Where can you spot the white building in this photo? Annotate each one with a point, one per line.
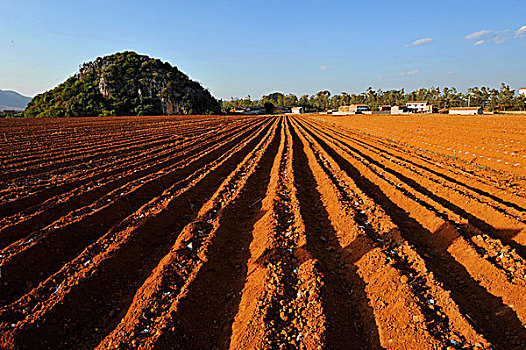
(466, 110)
(522, 91)
(355, 108)
(399, 110)
(297, 110)
(419, 107)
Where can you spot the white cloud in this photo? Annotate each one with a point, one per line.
(322, 67)
(422, 41)
(500, 39)
(411, 73)
(477, 35)
(450, 73)
(381, 77)
(521, 32)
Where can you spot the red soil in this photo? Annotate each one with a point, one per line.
(262, 232)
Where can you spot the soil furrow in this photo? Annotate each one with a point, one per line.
(341, 295)
(372, 243)
(151, 314)
(467, 225)
(263, 232)
(41, 215)
(114, 294)
(67, 240)
(217, 286)
(472, 298)
(57, 183)
(431, 167)
(58, 180)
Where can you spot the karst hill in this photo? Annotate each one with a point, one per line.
(124, 83)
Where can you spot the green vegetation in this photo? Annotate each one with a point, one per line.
(493, 99)
(130, 84)
(11, 115)
(124, 84)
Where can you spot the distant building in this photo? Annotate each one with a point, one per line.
(254, 110)
(399, 110)
(522, 91)
(281, 110)
(466, 110)
(356, 108)
(419, 107)
(297, 110)
(237, 110)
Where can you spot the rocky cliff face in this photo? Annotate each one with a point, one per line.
(128, 84)
(159, 81)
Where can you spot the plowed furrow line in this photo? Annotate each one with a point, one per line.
(482, 188)
(93, 152)
(227, 251)
(349, 321)
(92, 191)
(96, 159)
(467, 277)
(23, 210)
(290, 311)
(73, 272)
(280, 304)
(274, 235)
(500, 199)
(513, 206)
(109, 257)
(485, 177)
(107, 144)
(65, 163)
(79, 228)
(66, 143)
(486, 183)
(119, 169)
(44, 214)
(155, 304)
(407, 315)
(130, 137)
(483, 238)
(296, 316)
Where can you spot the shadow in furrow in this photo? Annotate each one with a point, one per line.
(497, 321)
(206, 314)
(19, 205)
(444, 176)
(94, 308)
(67, 242)
(346, 328)
(506, 235)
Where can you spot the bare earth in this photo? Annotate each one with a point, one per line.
(312, 232)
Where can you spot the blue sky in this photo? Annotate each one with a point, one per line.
(240, 48)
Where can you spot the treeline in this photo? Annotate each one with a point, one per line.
(503, 99)
(11, 115)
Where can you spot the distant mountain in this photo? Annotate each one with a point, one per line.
(13, 100)
(124, 83)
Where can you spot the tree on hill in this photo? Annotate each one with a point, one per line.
(124, 84)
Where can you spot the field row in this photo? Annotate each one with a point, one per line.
(253, 232)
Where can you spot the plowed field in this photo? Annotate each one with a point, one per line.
(262, 233)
